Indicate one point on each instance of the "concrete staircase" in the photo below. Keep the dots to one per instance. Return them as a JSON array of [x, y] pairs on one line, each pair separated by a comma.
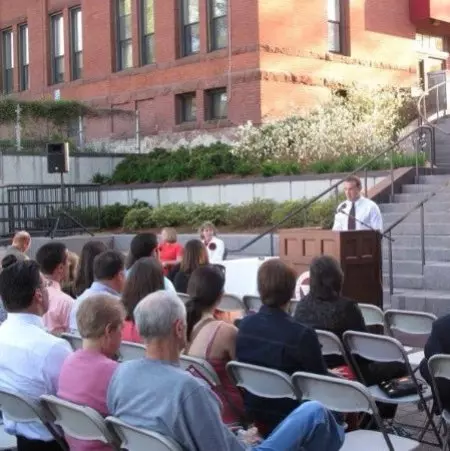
[[414, 290]]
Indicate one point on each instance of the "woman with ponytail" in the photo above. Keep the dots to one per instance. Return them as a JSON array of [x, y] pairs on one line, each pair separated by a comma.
[[211, 339]]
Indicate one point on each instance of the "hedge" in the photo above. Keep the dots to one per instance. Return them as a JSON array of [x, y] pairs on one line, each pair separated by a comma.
[[219, 160]]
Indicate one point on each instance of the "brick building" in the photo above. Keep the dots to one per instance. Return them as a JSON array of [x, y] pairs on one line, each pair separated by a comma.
[[204, 64]]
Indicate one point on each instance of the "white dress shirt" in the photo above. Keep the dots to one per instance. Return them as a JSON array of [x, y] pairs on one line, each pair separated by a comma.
[[366, 211], [215, 255], [30, 363]]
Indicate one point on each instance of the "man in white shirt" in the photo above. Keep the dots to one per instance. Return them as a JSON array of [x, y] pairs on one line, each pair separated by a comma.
[[30, 358], [357, 212]]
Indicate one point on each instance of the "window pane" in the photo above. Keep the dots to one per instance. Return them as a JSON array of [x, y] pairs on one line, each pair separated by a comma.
[[58, 36], [125, 27], [190, 11], [334, 37], [148, 17], [219, 105], [124, 7], [8, 81], [148, 49], [8, 50], [77, 32], [192, 39], [334, 10], [126, 54], [189, 108], [59, 69], [219, 8], [23, 37], [220, 33], [24, 78]]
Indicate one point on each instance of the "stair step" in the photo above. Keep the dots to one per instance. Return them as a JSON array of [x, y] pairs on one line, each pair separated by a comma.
[[413, 253], [414, 228], [421, 188], [429, 217], [403, 267], [403, 207], [442, 196], [434, 179], [408, 281]]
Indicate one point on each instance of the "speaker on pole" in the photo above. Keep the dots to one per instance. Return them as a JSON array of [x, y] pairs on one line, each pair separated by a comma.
[[58, 158]]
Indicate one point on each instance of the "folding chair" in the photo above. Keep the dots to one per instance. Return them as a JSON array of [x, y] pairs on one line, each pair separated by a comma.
[[261, 381], [74, 340], [230, 303], [137, 439], [80, 422], [7, 441], [131, 351], [439, 366], [252, 303], [341, 395], [381, 348], [332, 345], [373, 315], [292, 305], [184, 297], [22, 409]]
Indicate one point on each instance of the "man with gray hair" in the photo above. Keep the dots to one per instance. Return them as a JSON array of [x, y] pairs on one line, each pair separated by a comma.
[[155, 394]]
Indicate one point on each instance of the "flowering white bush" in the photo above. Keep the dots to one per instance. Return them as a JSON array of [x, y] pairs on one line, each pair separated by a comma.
[[363, 123]]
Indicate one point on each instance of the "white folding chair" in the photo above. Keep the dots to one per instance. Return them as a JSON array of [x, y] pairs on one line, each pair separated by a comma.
[[22, 409], [201, 368], [382, 348], [373, 315], [80, 422], [261, 381], [252, 303], [230, 303], [439, 366], [332, 345], [75, 341], [7, 441], [293, 305], [341, 395], [131, 351], [138, 439], [184, 297]]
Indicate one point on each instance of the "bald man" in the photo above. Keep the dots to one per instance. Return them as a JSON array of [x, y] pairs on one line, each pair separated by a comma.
[[20, 245]]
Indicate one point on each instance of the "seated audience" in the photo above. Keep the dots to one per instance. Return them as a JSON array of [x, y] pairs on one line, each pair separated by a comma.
[[194, 256], [53, 260], [145, 277], [69, 282], [438, 343], [20, 244], [170, 251], [85, 272], [211, 339], [85, 374], [145, 245], [272, 338], [109, 278], [30, 358], [8, 260], [215, 246], [138, 393]]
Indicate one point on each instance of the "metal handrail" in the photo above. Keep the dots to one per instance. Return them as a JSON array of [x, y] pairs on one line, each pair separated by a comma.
[[430, 119], [335, 186]]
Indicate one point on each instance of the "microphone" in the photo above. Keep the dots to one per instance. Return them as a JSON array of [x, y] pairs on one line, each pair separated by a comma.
[[342, 208]]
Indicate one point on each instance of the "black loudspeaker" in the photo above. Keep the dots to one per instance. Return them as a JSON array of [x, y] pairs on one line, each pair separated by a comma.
[[57, 158]]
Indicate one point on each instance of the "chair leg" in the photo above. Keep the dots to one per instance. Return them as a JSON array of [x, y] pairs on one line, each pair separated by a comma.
[[431, 421]]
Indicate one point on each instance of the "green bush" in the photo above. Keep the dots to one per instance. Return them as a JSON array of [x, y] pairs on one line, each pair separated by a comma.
[[257, 213], [200, 213], [170, 215], [138, 218], [285, 208]]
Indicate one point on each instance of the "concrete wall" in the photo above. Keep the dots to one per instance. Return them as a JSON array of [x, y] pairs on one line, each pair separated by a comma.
[[233, 191]]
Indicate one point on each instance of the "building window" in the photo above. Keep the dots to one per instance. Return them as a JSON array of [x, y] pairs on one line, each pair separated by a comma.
[[57, 31], [430, 43], [147, 32], [217, 104], [24, 58], [190, 30], [76, 43], [334, 26], [8, 61], [187, 107], [218, 24], [124, 35]]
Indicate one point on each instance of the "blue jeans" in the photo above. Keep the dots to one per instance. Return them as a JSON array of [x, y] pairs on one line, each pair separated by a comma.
[[310, 427]]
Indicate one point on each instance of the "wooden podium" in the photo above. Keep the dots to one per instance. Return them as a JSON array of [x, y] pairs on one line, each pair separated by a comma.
[[358, 252]]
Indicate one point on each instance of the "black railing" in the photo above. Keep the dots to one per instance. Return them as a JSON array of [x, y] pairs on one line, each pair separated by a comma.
[[419, 147]]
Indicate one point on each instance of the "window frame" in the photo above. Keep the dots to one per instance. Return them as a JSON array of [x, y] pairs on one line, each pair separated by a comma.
[[23, 57], [211, 106], [186, 29], [212, 26], [55, 59], [182, 99], [336, 23], [76, 55], [7, 72], [123, 43]]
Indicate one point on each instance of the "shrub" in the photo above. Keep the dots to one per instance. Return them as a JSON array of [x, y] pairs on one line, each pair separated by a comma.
[[138, 218], [170, 215], [200, 213], [285, 208], [257, 213]]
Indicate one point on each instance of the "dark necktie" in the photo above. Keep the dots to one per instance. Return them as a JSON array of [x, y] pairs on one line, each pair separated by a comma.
[[351, 218]]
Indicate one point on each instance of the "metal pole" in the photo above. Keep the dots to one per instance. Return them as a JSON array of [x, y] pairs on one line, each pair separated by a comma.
[[418, 146], [18, 129], [422, 236], [391, 268], [80, 132], [138, 131], [336, 195], [365, 181], [272, 247], [62, 191], [437, 102], [392, 175]]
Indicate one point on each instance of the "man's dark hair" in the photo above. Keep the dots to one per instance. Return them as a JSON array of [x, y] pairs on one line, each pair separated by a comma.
[[8, 260], [354, 179], [142, 245], [18, 283], [325, 278], [50, 255], [107, 265], [276, 283]]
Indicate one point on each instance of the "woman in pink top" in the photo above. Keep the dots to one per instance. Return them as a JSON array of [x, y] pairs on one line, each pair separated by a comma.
[[85, 374], [145, 277]]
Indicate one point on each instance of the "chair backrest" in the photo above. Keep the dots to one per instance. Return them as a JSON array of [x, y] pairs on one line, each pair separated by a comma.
[[80, 422], [23, 409], [137, 439], [373, 315], [409, 327], [131, 351], [252, 303], [439, 366], [184, 297], [200, 368], [75, 341], [339, 395], [230, 303], [293, 305], [331, 344], [261, 381]]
